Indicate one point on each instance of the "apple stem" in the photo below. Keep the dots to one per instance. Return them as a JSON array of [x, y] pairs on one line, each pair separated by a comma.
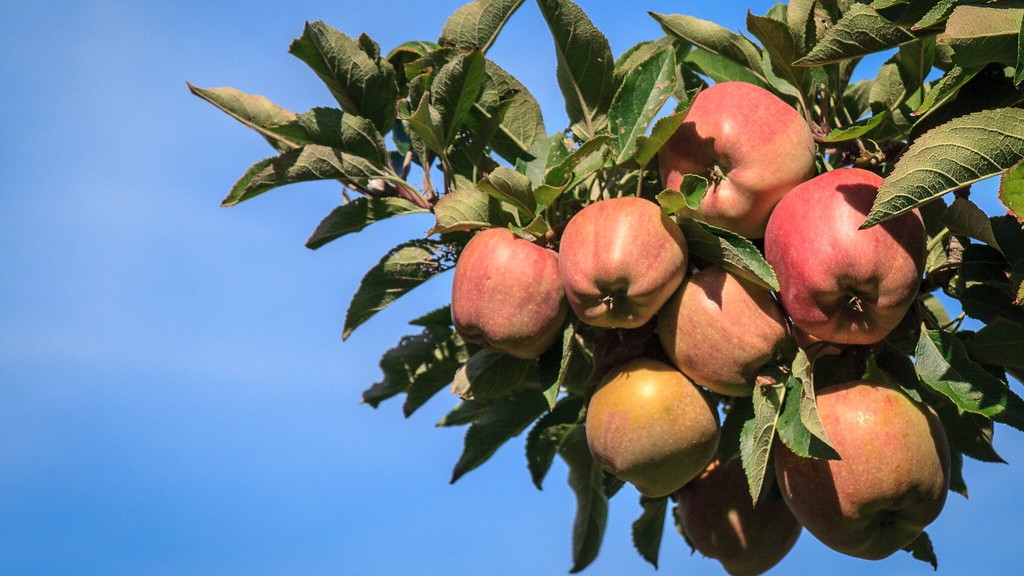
[[855, 304], [609, 301]]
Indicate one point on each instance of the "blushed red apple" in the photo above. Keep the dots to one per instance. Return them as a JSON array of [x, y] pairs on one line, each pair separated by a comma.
[[506, 294], [718, 518], [620, 260], [721, 331], [649, 425], [838, 283], [891, 482], [750, 145]]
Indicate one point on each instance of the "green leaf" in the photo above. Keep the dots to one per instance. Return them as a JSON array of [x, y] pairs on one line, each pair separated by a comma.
[[305, 164], [921, 549], [489, 374], [504, 420], [403, 268], [965, 218], [714, 39], [946, 88], [738, 415], [420, 359], [758, 434], [469, 209], [982, 34], [455, 89], [561, 173], [585, 65], [730, 251], [944, 366], [548, 433], [426, 123], [647, 146], [782, 48], [643, 92], [256, 112], [800, 405], [521, 124], [465, 413], [719, 68], [800, 17], [358, 78], [511, 187], [999, 343], [968, 433], [476, 25], [586, 478], [337, 129], [859, 129], [648, 529], [861, 31], [939, 13], [690, 194], [1011, 190], [358, 214], [960, 152], [435, 372]]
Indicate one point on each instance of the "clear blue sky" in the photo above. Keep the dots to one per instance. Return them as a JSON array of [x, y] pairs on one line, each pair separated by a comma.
[[174, 394]]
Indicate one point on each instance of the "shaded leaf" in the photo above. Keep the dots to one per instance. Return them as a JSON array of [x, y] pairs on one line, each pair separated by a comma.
[[305, 164], [336, 129], [648, 529], [548, 433], [511, 187], [476, 24], [945, 88], [965, 218], [435, 373], [730, 251], [960, 152], [358, 214], [427, 124], [968, 433], [999, 343], [408, 361], [800, 404], [943, 365], [521, 124], [465, 413], [586, 478], [489, 374], [921, 549], [505, 419], [782, 48], [403, 268], [585, 65]]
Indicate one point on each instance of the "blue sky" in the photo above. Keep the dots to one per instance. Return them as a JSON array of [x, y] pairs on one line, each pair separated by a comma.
[[175, 397]]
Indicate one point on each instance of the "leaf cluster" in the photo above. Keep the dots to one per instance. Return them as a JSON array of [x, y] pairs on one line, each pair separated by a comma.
[[437, 127]]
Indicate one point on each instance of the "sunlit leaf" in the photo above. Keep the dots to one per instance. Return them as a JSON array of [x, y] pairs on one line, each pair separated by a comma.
[[585, 65], [960, 152], [643, 92], [758, 435], [715, 39], [730, 251], [256, 112], [944, 366], [469, 209], [476, 25], [1011, 190], [455, 89], [982, 34], [360, 80], [861, 31]]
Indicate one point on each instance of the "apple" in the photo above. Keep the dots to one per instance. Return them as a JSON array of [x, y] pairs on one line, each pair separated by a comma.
[[507, 294], [750, 145], [838, 283], [620, 259], [721, 330], [651, 426], [892, 479], [718, 518]]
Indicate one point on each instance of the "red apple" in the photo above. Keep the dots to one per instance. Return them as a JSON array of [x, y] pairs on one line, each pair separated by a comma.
[[649, 425], [721, 331], [838, 283], [620, 260], [750, 145], [719, 519], [507, 294], [892, 479]]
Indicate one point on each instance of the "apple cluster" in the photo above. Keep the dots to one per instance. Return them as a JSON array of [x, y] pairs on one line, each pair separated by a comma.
[[653, 421]]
